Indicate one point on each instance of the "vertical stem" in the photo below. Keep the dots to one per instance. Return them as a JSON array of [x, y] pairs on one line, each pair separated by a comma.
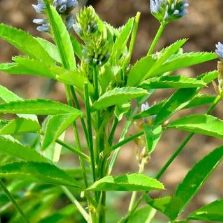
[[89, 126], [11, 198], [144, 159], [156, 39]]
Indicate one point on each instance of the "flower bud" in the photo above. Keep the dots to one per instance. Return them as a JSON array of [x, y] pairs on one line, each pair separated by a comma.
[[219, 50], [168, 10]]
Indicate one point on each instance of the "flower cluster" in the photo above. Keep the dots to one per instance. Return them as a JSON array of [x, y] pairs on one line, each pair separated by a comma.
[[63, 7], [219, 50], [168, 10]]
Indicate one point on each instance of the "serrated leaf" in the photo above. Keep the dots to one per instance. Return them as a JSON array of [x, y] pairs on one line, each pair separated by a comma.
[[38, 172], [14, 68], [165, 55], [38, 107], [35, 67], [61, 37], [176, 102], [172, 82], [24, 42], [119, 96], [209, 76], [200, 100], [50, 48], [201, 124], [186, 60], [15, 149], [139, 70], [56, 125], [8, 96], [152, 137], [18, 126], [211, 212], [193, 181], [128, 182], [121, 41]]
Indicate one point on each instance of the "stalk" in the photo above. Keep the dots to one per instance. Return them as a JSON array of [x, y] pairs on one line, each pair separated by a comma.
[[157, 38]]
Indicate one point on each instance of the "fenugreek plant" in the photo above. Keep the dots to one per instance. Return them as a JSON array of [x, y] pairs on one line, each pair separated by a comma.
[[105, 92]]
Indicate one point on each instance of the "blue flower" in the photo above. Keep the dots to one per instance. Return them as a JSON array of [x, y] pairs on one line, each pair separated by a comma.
[[219, 50], [168, 10], [63, 7]]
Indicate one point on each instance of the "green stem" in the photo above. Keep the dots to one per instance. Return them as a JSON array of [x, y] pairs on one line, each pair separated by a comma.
[[90, 134], [127, 140], [112, 133], [156, 39], [76, 203], [77, 105], [133, 36], [142, 164], [74, 150], [11, 198]]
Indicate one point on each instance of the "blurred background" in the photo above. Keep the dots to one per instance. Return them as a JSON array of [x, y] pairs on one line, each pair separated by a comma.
[[203, 26]]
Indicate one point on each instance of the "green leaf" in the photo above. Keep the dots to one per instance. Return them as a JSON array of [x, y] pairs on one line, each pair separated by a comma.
[[172, 82], [193, 182], [201, 124], [209, 76], [165, 55], [152, 137], [8, 96], [119, 96], [142, 215], [38, 172], [200, 100], [121, 41], [13, 148], [176, 102], [74, 77], [77, 47], [24, 42], [61, 37], [35, 67], [186, 60], [211, 212], [14, 68], [18, 126], [139, 70], [56, 125], [50, 48], [153, 110], [159, 203], [128, 182], [38, 107]]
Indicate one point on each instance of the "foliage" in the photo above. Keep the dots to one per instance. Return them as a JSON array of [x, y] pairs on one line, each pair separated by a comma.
[[94, 65]]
